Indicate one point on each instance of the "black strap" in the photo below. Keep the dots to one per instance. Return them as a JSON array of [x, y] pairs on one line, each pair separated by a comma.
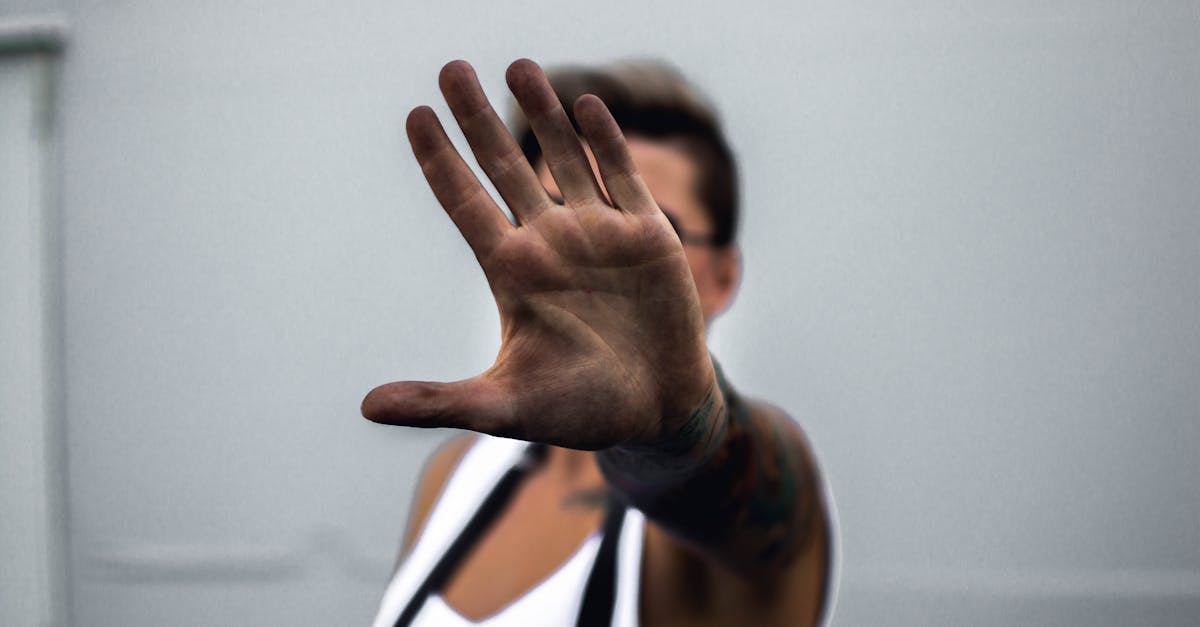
[[600, 595], [488, 510]]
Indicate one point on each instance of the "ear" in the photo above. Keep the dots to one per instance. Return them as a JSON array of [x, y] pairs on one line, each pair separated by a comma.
[[726, 268]]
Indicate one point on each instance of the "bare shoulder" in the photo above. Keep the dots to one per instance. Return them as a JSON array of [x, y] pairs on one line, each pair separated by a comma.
[[759, 407], [790, 428], [437, 472], [806, 579], [689, 584]]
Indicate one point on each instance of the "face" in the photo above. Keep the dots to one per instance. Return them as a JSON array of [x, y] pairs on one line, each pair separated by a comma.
[[671, 174]]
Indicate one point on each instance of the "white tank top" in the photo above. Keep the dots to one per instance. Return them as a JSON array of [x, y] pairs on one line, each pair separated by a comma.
[[556, 600]]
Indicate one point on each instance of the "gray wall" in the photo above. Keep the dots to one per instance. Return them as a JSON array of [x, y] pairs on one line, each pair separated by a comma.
[[971, 247]]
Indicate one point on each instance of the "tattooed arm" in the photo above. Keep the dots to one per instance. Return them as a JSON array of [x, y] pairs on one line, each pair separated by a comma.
[[738, 482]]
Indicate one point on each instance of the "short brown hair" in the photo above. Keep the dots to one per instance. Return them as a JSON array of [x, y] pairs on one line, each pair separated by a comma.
[[651, 99]]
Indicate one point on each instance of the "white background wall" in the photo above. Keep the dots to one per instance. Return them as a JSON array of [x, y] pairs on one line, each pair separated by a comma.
[[972, 239], [32, 508]]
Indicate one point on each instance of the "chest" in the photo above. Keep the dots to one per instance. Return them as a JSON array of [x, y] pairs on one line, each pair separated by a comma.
[[538, 533], [533, 536], [545, 543]]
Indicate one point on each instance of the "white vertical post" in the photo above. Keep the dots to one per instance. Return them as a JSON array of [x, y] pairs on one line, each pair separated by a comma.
[[32, 499]]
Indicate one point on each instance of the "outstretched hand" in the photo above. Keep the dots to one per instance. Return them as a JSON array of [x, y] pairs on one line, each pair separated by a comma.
[[602, 332]]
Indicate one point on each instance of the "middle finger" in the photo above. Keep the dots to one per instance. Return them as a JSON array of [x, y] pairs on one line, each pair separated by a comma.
[[494, 147]]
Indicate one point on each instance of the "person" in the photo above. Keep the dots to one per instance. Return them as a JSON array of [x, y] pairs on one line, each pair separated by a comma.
[[617, 478]]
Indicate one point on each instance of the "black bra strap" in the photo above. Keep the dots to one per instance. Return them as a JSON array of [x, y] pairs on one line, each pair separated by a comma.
[[488, 510], [600, 595]]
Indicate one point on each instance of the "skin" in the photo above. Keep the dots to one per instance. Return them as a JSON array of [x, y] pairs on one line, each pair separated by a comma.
[[603, 356]]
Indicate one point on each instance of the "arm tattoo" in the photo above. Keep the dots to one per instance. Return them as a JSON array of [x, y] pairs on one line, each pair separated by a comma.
[[736, 483], [586, 498], [647, 466]]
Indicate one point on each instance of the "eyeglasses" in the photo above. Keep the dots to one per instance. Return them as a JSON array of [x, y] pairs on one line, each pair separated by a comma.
[[687, 238]]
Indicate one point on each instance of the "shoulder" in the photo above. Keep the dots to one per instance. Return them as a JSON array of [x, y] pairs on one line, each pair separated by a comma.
[[815, 569], [799, 592], [783, 421], [438, 468], [759, 407], [796, 444]]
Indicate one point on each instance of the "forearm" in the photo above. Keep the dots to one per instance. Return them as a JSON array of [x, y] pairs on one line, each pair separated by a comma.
[[737, 483]]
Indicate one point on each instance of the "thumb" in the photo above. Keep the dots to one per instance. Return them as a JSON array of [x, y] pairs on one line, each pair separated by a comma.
[[477, 404]]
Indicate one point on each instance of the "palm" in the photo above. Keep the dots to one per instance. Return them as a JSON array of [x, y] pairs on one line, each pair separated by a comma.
[[602, 336]]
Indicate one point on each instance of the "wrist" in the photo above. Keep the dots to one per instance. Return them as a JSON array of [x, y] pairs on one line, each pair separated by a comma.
[[697, 432], [686, 443]]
